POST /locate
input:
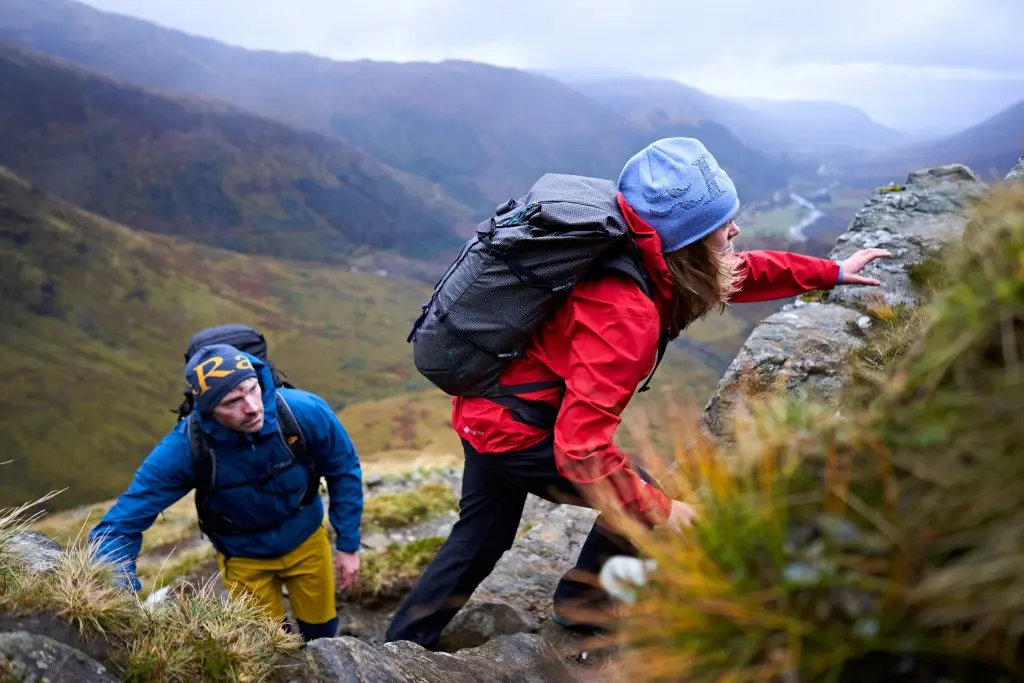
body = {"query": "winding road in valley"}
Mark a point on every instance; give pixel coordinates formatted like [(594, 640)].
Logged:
[(796, 231)]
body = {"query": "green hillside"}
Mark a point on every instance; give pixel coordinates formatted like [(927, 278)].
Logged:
[(206, 171), (94, 319)]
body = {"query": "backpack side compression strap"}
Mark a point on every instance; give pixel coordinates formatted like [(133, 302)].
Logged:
[(202, 456), (203, 469)]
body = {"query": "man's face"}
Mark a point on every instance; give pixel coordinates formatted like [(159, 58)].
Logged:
[(242, 409)]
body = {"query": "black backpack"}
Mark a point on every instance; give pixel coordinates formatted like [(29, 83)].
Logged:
[(522, 263), (204, 463)]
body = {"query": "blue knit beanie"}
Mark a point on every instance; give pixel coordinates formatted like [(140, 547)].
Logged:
[(214, 371), (679, 189)]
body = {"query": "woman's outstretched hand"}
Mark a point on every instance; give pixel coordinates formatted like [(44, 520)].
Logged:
[(853, 265)]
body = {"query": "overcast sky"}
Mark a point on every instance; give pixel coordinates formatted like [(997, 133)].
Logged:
[(917, 64)]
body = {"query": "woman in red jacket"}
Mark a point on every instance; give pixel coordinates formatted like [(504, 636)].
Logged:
[(602, 343)]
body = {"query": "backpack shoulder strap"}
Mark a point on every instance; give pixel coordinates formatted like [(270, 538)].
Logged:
[(203, 465), (628, 263), (291, 434)]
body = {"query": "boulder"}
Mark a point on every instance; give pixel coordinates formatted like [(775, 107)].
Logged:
[(913, 223), (1017, 172), (37, 550), (801, 350), (30, 657), (520, 658), (528, 572), (479, 622)]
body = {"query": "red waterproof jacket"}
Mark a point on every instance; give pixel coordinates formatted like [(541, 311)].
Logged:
[(603, 342)]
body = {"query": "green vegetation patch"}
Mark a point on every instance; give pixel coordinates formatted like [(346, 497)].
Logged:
[(392, 571), (395, 510)]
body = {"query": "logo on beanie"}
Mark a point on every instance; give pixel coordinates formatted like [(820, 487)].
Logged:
[(210, 369), (710, 183)]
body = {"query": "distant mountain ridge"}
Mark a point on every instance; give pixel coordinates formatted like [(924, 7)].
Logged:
[(478, 133), (202, 169), (792, 127), (990, 148), (826, 125)]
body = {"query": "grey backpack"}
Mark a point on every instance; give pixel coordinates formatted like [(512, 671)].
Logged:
[(507, 279)]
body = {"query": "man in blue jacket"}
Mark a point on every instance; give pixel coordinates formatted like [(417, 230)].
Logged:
[(263, 513)]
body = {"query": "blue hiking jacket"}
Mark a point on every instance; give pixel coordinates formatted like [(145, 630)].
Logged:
[(166, 475)]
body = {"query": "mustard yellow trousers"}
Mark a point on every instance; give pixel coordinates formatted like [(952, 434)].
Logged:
[(307, 572)]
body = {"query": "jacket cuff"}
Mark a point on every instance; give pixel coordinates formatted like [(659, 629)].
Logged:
[(347, 545), (839, 279), (659, 507)]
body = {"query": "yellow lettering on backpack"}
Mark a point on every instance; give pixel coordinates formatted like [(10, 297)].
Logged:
[(202, 373)]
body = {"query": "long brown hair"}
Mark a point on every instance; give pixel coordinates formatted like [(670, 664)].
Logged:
[(703, 279)]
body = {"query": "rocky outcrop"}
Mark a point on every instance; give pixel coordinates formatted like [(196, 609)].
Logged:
[(1017, 172), (803, 349), (38, 551), (516, 597), (45, 647), (520, 658), (30, 657), (527, 574)]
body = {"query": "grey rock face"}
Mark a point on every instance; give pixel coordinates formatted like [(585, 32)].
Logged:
[(913, 224), (519, 658), (1017, 172), (478, 623), (37, 550), (803, 349), (527, 574), (29, 657)]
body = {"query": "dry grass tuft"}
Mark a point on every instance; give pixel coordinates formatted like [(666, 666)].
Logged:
[(193, 635)]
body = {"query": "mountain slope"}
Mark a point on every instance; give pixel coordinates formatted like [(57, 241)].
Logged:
[(95, 317), (481, 133), (203, 170), (990, 148)]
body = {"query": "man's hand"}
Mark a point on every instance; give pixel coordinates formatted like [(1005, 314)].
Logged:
[(853, 265), (682, 515), (346, 568)]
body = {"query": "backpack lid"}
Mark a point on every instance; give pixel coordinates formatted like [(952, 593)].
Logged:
[(242, 337)]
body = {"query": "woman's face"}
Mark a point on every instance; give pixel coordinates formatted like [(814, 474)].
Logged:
[(721, 239)]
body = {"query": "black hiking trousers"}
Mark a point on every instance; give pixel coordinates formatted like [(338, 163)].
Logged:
[(494, 490)]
